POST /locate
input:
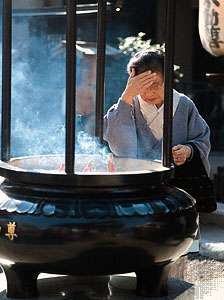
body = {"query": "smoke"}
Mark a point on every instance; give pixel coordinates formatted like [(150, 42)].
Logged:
[(38, 89), (86, 144)]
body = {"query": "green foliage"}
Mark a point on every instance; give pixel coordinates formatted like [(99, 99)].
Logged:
[(132, 44)]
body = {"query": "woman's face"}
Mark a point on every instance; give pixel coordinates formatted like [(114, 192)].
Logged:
[(155, 94)]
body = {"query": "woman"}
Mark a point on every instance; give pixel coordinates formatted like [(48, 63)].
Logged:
[(134, 126)]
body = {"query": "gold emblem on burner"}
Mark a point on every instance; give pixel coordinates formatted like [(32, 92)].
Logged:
[(11, 231)]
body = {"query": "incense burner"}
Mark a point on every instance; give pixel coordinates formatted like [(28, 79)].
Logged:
[(91, 224)]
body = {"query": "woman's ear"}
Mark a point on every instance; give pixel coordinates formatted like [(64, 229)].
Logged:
[(133, 72)]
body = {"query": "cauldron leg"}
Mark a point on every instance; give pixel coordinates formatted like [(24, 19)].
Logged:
[(21, 283), (153, 281)]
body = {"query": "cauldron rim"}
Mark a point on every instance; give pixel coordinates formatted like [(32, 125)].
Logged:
[(19, 175)]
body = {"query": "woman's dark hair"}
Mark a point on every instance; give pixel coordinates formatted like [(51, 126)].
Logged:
[(145, 60)]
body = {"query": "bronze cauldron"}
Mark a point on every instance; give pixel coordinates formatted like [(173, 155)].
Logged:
[(91, 224)]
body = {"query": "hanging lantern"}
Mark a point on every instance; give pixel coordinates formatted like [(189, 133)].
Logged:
[(211, 26)]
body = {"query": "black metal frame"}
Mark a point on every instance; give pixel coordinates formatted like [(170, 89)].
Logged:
[(100, 71), (6, 79), (168, 89), (69, 178), (70, 87)]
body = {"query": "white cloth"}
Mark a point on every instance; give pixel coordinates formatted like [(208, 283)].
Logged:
[(154, 115)]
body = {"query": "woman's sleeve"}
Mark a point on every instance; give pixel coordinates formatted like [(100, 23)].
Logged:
[(192, 176), (120, 129), (199, 134)]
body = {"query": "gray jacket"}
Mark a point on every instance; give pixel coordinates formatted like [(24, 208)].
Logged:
[(128, 134)]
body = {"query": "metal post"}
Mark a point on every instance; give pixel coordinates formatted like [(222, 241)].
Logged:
[(168, 90), (6, 79), (100, 69), (70, 86)]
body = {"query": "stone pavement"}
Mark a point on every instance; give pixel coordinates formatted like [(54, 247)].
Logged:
[(212, 243), (212, 234), (215, 218), (120, 288)]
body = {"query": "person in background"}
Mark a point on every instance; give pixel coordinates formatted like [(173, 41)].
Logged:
[(134, 127)]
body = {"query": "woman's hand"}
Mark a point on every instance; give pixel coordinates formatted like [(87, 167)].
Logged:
[(137, 84), (181, 153)]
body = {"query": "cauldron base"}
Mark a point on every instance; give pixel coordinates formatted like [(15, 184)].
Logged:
[(148, 283), (22, 281), (90, 231), (153, 282)]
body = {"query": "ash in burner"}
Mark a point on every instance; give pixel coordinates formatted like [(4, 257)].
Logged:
[(110, 165), (93, 166), (87, 164)]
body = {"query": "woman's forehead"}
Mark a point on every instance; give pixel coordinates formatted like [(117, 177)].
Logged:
[(159, 76)]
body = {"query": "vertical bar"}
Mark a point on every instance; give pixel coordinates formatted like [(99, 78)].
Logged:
[(100, 68), (6, 79), (168, 89), (70, 86)]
